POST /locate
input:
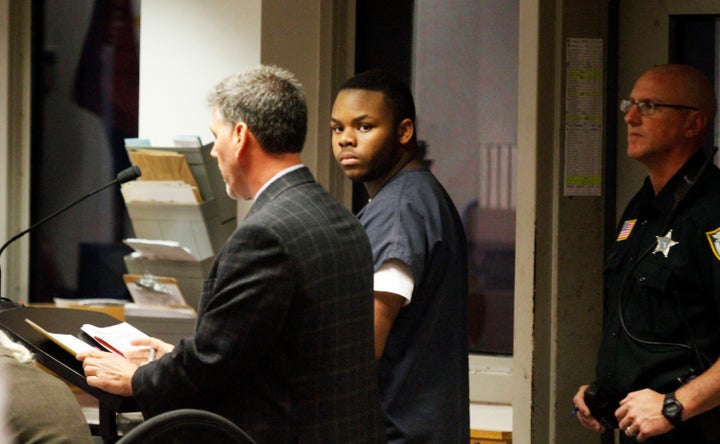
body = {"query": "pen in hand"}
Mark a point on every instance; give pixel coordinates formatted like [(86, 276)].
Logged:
[(151, 354)]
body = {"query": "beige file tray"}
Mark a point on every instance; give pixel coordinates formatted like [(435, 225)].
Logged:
[(197, 227), (206, 174)]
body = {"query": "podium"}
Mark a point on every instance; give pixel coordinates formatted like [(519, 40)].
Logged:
[(56, 359)]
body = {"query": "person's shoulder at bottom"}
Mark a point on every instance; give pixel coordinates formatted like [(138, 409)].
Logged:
[(38, 407)]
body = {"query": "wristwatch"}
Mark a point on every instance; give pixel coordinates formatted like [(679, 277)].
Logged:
[(672, 409)]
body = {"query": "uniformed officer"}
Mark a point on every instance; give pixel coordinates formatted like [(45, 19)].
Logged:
[(657, 376)]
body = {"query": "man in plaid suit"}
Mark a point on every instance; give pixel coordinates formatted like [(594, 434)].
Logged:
[(284, 339)]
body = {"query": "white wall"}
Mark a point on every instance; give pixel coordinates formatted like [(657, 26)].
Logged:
[(186, 47)]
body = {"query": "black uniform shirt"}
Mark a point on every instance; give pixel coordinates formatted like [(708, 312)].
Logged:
[(663, 295)]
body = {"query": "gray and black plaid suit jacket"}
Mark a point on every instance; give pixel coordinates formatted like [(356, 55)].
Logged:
[(284, 339)]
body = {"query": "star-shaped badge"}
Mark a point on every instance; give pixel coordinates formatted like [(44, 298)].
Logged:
[(664, 243)]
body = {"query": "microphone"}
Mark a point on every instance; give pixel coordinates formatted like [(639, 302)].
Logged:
[(123, 176)]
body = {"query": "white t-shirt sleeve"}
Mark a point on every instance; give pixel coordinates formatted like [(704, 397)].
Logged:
[(394, 276)]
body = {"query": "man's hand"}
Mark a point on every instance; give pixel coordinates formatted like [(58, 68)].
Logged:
[(582, 411), (640, 415), (108, 371), (141, 354)]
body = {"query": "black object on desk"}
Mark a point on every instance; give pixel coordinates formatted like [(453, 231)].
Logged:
[(59, 361)]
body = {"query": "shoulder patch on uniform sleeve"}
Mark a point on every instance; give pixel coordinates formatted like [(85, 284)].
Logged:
[(627, 229), (714, 239)]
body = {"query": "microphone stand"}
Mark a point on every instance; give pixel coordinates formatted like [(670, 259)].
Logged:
[(123, 176)]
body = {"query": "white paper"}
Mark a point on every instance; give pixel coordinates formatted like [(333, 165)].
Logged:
[(116, 338), (144, 296), (159, 311), (137, 142), (584, 117), (68, 342), (163, 191), (160, 249), (66, 302), (187, 141)]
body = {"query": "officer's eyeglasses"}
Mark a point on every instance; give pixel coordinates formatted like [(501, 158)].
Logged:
[(647, 108)]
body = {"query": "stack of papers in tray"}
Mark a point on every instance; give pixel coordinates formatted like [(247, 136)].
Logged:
[(159, 191), (160, 167), (160, 249), (160, 311), (156, 296)]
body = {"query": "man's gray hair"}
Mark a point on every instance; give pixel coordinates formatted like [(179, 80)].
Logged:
[(270, 100)]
